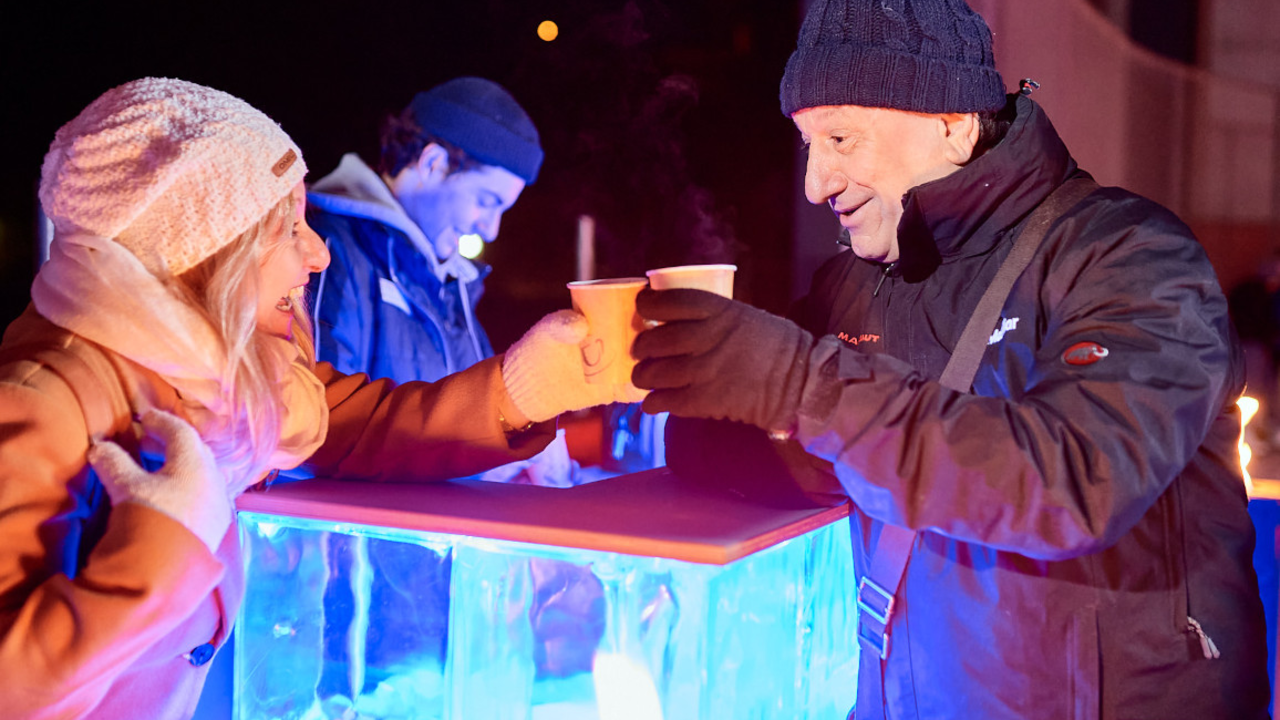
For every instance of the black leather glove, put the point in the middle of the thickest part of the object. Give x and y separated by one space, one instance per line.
717 358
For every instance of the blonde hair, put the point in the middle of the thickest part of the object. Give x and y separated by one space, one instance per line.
224 287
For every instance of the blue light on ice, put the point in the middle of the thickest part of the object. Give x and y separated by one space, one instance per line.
355 621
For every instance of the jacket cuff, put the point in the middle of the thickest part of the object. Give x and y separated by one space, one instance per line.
833 366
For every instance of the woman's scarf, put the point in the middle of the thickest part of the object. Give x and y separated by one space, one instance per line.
97 289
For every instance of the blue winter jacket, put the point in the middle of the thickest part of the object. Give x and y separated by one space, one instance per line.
385 306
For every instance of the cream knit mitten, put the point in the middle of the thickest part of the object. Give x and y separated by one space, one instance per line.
546 376
189 488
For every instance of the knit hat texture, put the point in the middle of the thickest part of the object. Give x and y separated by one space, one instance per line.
172 170
931 56
484 120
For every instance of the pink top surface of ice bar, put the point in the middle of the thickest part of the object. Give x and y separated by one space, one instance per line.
651 513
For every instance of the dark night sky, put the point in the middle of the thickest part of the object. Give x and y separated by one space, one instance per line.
659 117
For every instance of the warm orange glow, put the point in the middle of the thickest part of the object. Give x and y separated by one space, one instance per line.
1248 408
548 30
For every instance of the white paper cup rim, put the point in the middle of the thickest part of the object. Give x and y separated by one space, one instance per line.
691 268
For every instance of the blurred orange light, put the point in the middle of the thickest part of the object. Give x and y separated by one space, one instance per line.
548 30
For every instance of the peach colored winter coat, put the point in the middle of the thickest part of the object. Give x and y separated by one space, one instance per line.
100 607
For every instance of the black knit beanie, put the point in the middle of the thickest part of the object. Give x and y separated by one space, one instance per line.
930 56
480 117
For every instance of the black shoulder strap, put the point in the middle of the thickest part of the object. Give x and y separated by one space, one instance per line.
963 366
878 588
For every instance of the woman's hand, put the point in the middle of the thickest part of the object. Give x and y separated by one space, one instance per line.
545 374
189 487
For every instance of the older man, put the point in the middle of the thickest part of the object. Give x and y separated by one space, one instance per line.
1057 529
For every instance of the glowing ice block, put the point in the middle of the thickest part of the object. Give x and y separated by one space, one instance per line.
634 597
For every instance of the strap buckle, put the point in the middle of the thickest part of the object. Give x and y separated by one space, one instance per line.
875 607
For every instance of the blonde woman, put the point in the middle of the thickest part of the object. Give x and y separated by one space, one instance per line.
163 367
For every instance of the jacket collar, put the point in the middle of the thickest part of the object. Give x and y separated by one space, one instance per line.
968 212
355 189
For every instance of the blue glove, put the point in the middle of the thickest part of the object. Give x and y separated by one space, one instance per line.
713 357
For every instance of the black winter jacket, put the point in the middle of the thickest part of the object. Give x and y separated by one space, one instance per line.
1085 503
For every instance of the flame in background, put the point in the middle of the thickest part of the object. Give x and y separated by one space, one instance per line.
624 688
1248 408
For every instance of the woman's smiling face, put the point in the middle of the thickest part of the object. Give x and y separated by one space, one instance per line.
286 266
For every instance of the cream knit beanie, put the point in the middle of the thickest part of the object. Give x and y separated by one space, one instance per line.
172 170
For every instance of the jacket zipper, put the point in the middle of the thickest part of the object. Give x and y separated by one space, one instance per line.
449 369
1207 646
884 312
1206 642
884 273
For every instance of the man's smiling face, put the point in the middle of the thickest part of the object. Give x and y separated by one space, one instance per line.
862 161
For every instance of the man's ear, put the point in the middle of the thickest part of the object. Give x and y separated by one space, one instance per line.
961 136
433 163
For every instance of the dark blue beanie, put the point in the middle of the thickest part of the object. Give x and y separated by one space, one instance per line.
482 119
931 56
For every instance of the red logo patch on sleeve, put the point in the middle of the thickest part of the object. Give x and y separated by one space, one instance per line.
1084 353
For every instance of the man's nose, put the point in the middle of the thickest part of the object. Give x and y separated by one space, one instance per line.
821 181
489 225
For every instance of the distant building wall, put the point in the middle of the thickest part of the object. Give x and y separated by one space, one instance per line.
1202 141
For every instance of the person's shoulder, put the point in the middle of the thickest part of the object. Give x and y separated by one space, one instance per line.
1116 233
351 239
332 221
1114 219
45 366
1117 206
33 344
32 328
